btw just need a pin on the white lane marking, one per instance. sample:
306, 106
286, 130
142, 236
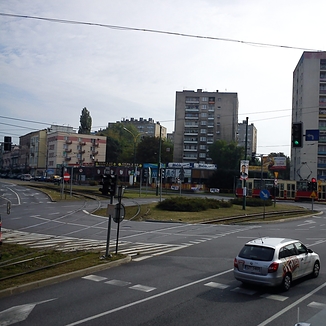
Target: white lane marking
94, 278
281, 312
317, 305
16, 314
149, 298
18, 198
118, 283
217, 285
274, 297
142, 288
306, 223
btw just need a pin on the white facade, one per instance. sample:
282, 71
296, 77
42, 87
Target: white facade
309, 107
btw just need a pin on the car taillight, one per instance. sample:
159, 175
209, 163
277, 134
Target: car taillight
235, 263
273, 267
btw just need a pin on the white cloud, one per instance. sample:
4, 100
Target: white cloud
50, 71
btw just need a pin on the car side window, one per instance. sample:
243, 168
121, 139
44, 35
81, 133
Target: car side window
302, 249
287, 251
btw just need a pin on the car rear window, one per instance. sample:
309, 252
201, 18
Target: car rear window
257, 253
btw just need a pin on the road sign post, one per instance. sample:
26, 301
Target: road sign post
264, 195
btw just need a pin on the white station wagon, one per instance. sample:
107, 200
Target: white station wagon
274, 262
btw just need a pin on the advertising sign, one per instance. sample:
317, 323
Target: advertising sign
244, 165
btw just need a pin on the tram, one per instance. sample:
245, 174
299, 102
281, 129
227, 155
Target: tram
302, 190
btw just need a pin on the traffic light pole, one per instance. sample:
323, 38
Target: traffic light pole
244, 181
107, 254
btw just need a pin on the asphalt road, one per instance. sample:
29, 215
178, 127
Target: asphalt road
183, 275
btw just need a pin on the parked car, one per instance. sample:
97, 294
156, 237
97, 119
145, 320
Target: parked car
56, 179
26, 177
275, 262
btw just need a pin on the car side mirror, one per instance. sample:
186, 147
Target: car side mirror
310, 251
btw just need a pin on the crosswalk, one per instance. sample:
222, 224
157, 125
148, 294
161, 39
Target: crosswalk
137, 250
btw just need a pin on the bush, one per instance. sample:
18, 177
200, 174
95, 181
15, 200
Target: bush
184, 204
253, 202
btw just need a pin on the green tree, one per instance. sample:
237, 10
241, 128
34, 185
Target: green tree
85, 122
226, 155
148, 148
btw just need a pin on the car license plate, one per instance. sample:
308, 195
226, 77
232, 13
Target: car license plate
252, 269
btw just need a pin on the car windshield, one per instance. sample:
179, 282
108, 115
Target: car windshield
257, 253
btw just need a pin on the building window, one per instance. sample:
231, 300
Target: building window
204, 99
203, 123
202, 138
204, 107
203, 131
202, 155
202, 147
203, 114
192, 99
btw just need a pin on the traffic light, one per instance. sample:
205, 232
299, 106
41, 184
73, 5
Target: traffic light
105, 185
109, 183
297, 136
253, 157
7, 144
313, 184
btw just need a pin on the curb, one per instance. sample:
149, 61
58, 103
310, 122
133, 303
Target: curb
60, 278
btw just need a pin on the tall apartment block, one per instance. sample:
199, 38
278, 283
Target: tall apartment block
201, 118
309, 107
251, 137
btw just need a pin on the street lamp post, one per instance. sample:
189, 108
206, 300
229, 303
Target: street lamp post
135, 142
158, 177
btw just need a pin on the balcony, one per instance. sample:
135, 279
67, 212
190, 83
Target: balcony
189, 125
68, 142
82, 143
67, 158
94, 152
81, 151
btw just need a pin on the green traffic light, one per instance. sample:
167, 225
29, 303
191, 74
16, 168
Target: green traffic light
296, 142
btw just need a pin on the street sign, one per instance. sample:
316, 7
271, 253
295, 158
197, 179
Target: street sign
264, 194
119, 213
313, 195
66, 177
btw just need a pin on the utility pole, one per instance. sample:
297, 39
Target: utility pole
159, 163
245, 157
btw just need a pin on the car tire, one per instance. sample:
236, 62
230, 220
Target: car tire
315, 270
286, 283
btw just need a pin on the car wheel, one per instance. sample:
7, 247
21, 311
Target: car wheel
286, 284
315, 271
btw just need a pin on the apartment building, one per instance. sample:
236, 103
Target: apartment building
201, 118
146, 127
74, 150
251, 137
309, 107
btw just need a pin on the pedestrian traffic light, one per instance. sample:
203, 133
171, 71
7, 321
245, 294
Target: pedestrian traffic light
297, 136
313, 184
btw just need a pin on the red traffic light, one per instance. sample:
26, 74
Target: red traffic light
313, 180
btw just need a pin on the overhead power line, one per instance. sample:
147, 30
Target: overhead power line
126, 28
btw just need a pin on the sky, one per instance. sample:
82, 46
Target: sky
50, 70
